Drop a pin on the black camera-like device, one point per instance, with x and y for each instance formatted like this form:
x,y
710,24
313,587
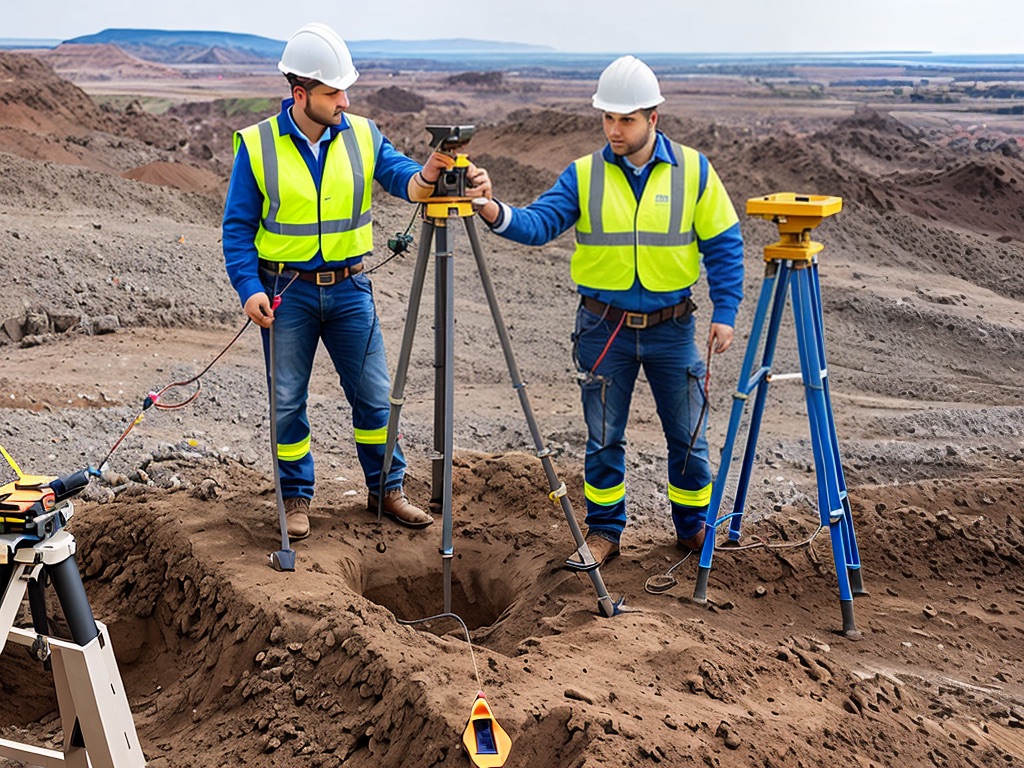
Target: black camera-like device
x,y
448,138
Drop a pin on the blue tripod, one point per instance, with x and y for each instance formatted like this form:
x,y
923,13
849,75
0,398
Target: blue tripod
x,y
791,264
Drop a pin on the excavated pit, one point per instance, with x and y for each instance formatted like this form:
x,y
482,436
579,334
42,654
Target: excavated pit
x,y
411,587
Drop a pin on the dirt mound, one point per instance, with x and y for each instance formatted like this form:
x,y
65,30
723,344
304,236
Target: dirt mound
x,y
395,99
90,244
518,183
45,117
487,80
222,56
33,98
544,139
986,194
180,177
313,665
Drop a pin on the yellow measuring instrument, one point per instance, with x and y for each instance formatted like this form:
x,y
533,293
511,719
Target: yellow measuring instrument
x,y
486,741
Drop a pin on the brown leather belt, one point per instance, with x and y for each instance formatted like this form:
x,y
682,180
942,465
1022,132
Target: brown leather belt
x,y
322,277
639,320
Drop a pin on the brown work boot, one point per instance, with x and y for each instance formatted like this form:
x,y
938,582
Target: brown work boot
x,y
694,543
602,549
398,508
296,515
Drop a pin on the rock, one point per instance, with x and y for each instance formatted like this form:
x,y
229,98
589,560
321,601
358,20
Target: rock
x,y
105,324
36,323
32,340
64,321
110,477
206,490
575,695
13,327
730,739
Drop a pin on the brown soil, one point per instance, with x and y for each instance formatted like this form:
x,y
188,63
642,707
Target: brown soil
x,y
110,236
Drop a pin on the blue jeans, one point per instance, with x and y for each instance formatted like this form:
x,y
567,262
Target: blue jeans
x,y
674,369
344,317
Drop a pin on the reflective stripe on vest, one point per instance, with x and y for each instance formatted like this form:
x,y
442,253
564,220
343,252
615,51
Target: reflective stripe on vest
x,y
618,238
297,221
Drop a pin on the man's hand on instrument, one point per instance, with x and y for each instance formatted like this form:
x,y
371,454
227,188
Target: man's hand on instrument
x,y
478,182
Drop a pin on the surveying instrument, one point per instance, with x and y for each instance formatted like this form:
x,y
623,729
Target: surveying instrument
x,y
791,263
449,203
36,549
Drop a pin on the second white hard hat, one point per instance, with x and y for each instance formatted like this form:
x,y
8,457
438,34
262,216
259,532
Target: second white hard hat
x,y
318,52
626,85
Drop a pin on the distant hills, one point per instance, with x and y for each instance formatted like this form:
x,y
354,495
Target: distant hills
x,y
205,47
186,47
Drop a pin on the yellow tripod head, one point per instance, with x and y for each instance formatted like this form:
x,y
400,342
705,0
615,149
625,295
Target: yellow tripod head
x,y
795,215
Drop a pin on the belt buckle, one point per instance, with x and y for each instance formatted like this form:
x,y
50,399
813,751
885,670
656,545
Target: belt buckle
x,y
636,320
325,278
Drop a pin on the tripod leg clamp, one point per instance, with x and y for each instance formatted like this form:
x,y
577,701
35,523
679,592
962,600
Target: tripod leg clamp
x,y
580,567
557,494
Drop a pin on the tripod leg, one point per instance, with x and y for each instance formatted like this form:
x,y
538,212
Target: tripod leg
x,y
849,538
12,577
67,583
760,399
404,355
37,604
830,508
284,558
773,299
605,604
441,351
444,401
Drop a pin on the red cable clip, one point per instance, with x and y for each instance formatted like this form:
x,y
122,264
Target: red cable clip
x,y
276,303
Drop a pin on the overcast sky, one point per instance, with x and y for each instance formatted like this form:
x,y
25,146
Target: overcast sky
x,y
944,26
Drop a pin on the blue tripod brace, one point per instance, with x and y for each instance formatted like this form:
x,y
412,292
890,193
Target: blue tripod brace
x,y
791,263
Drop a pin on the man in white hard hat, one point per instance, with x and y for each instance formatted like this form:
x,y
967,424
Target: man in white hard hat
x,y
645,210
298,214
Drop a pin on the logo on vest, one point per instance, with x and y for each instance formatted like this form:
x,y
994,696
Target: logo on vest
x,y
661,199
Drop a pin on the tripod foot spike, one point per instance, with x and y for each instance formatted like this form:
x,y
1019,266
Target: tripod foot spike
x,y
283,560
856,582
850,631
700,589
608,609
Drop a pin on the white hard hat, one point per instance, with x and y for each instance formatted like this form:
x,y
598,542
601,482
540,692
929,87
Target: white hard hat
x,y
316,51
626,85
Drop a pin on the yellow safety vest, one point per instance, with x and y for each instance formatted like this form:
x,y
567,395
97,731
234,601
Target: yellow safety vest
x,y
296,220
619,238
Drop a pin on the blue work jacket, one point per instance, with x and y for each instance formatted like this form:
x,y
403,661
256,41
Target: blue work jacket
x,y
244,204
558,210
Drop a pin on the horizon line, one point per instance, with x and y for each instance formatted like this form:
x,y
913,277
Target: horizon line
x,y
542,48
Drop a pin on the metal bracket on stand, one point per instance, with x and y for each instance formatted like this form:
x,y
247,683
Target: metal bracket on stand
x,y
93,706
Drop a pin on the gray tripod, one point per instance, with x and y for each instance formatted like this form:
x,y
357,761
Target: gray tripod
x,y
436,231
